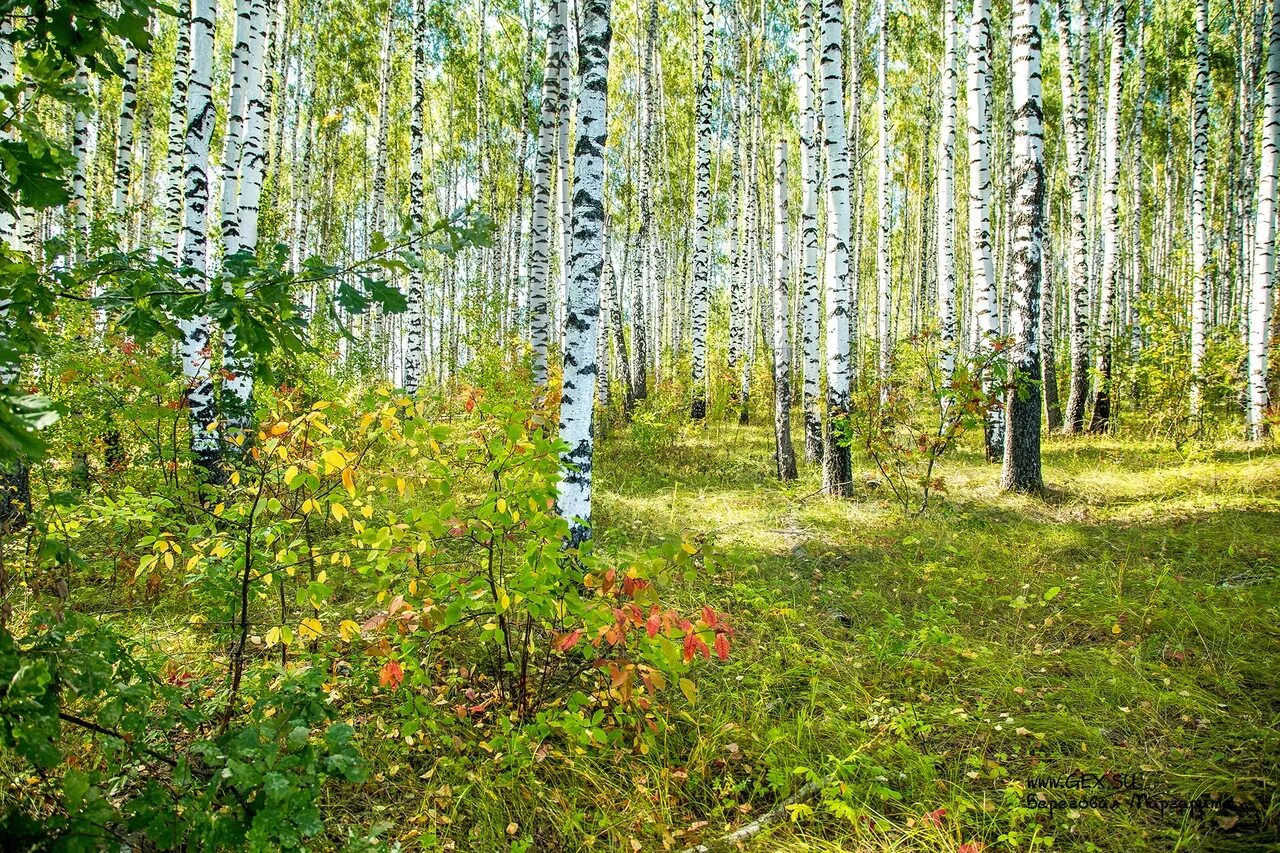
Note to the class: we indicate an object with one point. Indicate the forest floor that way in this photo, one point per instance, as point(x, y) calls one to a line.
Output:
point(1123, 633)
point(1110, 651)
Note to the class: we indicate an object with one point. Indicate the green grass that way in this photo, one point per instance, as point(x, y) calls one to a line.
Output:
point(930, 663)
point(1124, 623)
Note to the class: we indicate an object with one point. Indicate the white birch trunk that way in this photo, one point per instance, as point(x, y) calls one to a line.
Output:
point(194, 349)
point(946, 205)
point(1022, 470)
point(699, 295)
point(809, 316)
point(1260, 302)
point(1101, 421)
point(783, 451)
point(583, 308)
point(836, 470)
point(1199, 189)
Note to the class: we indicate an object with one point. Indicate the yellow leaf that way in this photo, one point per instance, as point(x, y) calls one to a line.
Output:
point(435, 448)
point(334, 459)
point(349, 481)
point(291, 475)
point(339, 511)
point(235, 478)
point(689, 689)
point(168, 560)
point(273, 637)
point(689, 547)
point(348, 630)
point(413, 587)
point(311, 629)
point(502, 505)
point(504, 600)
point(1115, 629)
point(400, 485)
point(280, 428)
point(307, 506)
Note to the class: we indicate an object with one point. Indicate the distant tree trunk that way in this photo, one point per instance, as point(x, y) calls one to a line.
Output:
point(1022, 448)
point(611, 298)
point(786, 456)
point(809, 319)
point(1264, 240)
point(883, 292)
point(541, 210)
point(195, 332)
point(1101, 421)
point(643, 286)
point(1078, 270)
point(124, 142)
point(171, 241)
point(1199, 187)
point(1048, 364)
point(985, 296)
point(1135, 283)
point(749, 247)
point(699, 295)
point(414, 350)
point(240, 227)
point(583, 308)
point(81, 154)
point(946, 205)
point(837, 475)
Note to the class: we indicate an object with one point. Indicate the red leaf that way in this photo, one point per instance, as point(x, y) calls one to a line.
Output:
point(722, 646)
point(971, 847)
point(935, 817)
point(391, 675)
point(690, 644)
point(654, 622)
point(708, 616)
point(569, 640)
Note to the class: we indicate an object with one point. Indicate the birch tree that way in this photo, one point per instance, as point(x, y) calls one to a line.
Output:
point(699, 296)
point(194, 349)
point(784, 453)
point(1199, 190)
point(836, 470)
point(1078, 276)
point(541, 209)
point(946, 195)
point(124, 140)
point(415, 349)
point(883, 282)
point(1021, 471)
point(583, 307)
point(1260, 302)
point(985, 297)
point(809, 318)
point(171, 241)
point(1101, 421)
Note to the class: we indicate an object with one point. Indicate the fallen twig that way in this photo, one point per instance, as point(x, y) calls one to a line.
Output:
point(807, 792)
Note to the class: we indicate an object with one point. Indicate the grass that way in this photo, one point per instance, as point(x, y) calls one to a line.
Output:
point(1125, 624)
point(934, 669)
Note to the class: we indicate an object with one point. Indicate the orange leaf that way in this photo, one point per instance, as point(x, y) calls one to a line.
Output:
point(722, 646)
point(391, 675)
point(569, 640)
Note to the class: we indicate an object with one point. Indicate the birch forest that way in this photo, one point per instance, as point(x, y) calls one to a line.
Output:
point(682, 425)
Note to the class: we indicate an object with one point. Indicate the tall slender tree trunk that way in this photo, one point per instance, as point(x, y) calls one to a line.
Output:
point(171, 240)
point(583, 309)
point(1199, 189)
point(194, 348)
point(1101, 421)
point(1078, 271)
point(541, 211)
point(699, 292)
point(1264, 264)
point(415, 351)
point(785, 454)
point(837, 475)
point(809, 317)
point(1022, 471)
point(985, 297)
point(946, 205)
point(883, 271)
point(124, 142)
